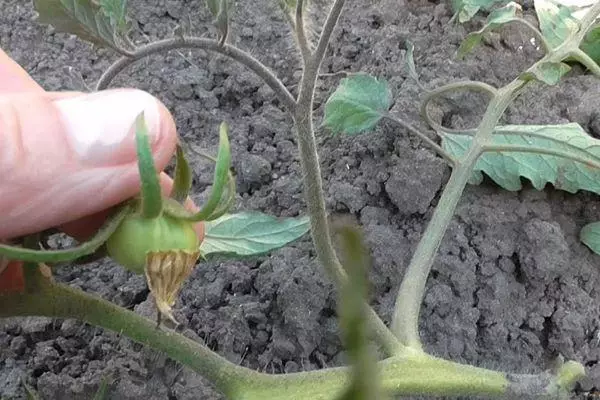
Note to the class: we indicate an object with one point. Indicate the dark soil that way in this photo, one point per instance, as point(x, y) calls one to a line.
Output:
point(512, 287)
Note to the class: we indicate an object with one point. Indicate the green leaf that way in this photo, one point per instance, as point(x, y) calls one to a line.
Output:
point(221, 177)
point(466, 9)
point(182, 183)
point(250, 233)
point(556, 21)
point(116, 11)
point(506, 168)
point(151, 191)
point(591, 44)
point(83, 18)
point(590, 236)
point(548, 72)
point(496, 19)
point(357, 105)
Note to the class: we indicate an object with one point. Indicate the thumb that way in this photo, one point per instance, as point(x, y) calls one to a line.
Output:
point(63, 157)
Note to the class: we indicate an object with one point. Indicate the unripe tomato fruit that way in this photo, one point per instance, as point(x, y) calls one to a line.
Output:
point(136, 236)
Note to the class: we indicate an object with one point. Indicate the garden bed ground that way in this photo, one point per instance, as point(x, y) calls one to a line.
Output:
point(512, 287)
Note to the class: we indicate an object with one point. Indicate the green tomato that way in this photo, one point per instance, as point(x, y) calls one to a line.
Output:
point(136, 236)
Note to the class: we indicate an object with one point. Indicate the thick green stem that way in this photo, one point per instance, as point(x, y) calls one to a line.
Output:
point(301, 31)
point(422, 375)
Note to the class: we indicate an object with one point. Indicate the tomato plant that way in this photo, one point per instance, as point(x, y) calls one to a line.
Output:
point(154, 235)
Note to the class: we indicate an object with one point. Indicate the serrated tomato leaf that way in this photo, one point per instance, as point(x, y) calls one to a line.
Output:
point(357, 105)
point(84, 18)
point(250, 233)
point(496, 19)
point(506, 168)
point(466, 9)
point(556, 21)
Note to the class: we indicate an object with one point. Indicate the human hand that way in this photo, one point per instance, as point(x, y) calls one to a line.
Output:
point(67, 158)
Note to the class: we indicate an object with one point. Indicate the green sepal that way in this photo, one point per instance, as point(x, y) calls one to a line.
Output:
point(222, 22)
point(222, 173)
point(182, 183)
point(66, 255)
point(151, 192)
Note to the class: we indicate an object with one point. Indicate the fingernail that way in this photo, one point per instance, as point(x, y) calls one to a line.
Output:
point(100, 126)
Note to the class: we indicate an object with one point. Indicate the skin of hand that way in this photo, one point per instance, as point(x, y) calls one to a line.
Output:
point(68, 157)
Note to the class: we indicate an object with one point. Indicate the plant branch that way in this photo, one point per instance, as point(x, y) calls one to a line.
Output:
point(451, 87)
point(65, 255)
point(587, 61)
point(205, 44)
point(330, 23)
point(301, 31)
point(406, 374)
point(449, 158)
point(410, 295)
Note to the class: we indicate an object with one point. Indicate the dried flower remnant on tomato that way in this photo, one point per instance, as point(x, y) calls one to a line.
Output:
point(165, 272)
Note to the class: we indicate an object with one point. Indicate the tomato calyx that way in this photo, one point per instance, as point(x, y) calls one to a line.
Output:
point(157, 237)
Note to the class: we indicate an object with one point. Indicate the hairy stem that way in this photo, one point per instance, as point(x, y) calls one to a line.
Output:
point(313, 185)
point(204, 44)
point(301, 31)
point(451, 87)
point(587, 61)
